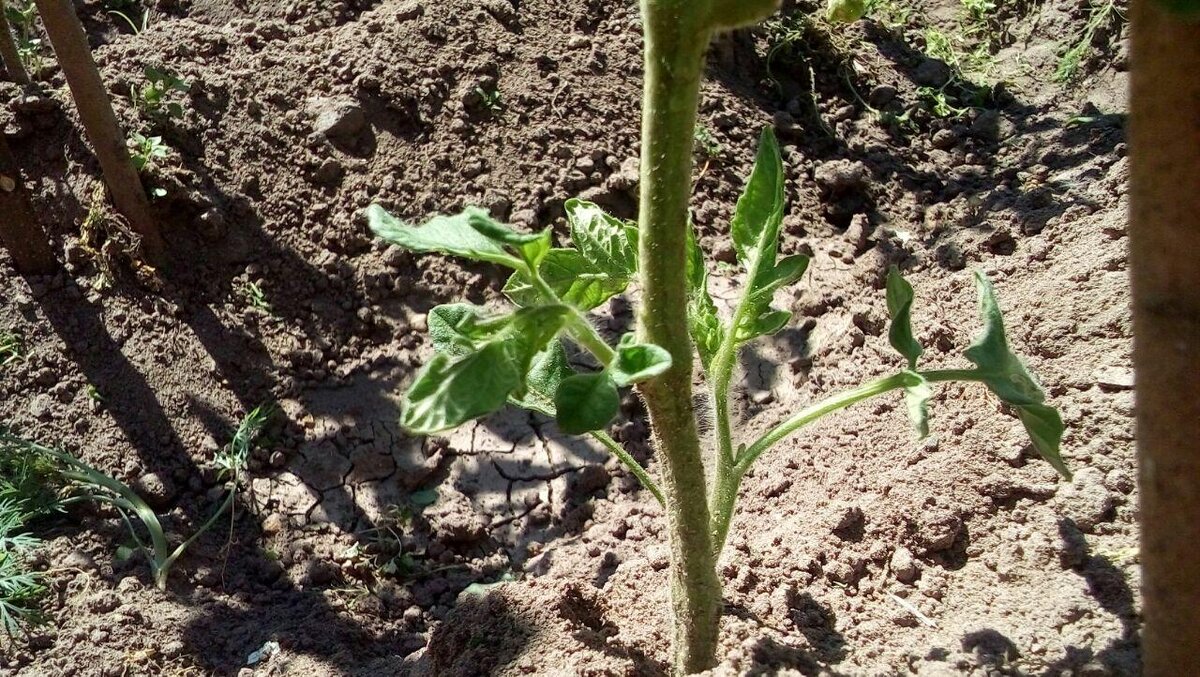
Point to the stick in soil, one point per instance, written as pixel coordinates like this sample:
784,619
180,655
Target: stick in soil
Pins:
19,230
1164,236
8,51
100,122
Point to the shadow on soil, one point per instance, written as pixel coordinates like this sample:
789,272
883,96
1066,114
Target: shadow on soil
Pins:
1107,584
826,647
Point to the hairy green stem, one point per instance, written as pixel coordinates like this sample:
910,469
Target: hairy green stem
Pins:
586,335
577,326
727,480
724,508
631,463
814,412
677,35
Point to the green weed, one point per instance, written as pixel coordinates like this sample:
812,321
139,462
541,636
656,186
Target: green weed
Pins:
146,151
12,348
706,143
22,18
29,485
153,98
84,483
127,11
891,14
979,11
1100,15
491,99
253,293
939,102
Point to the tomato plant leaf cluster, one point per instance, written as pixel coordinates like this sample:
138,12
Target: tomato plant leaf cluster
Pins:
487,359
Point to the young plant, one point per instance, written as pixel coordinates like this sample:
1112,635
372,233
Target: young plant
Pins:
979,11
707,144
125,12
889,13
12,348
22,18
256,297
153,98
146,151
1100,14
939,103
28,491
491,99
486,358
85,483
20,587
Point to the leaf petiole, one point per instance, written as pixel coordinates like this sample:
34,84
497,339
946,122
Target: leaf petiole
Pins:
631,463
841,401
578,326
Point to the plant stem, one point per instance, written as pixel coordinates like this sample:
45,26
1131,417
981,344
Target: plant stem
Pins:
723,509
726,480
677,34
9,53
163,567
630,462
814,412
586,335
578,326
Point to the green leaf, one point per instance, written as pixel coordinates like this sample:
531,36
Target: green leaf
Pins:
480,370
607,243
703,322
573,279
899,303
786,271
534,328
1006,376
449,392
637,362
458,328
473,234
547,371
765,324
442,234
755,231
531,246
586,402
759,213
845,11
759,318
1001,369
917,393
1045,428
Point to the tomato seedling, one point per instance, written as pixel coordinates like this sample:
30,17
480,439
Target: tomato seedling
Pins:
486,359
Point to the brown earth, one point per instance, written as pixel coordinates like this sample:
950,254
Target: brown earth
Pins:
858,550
